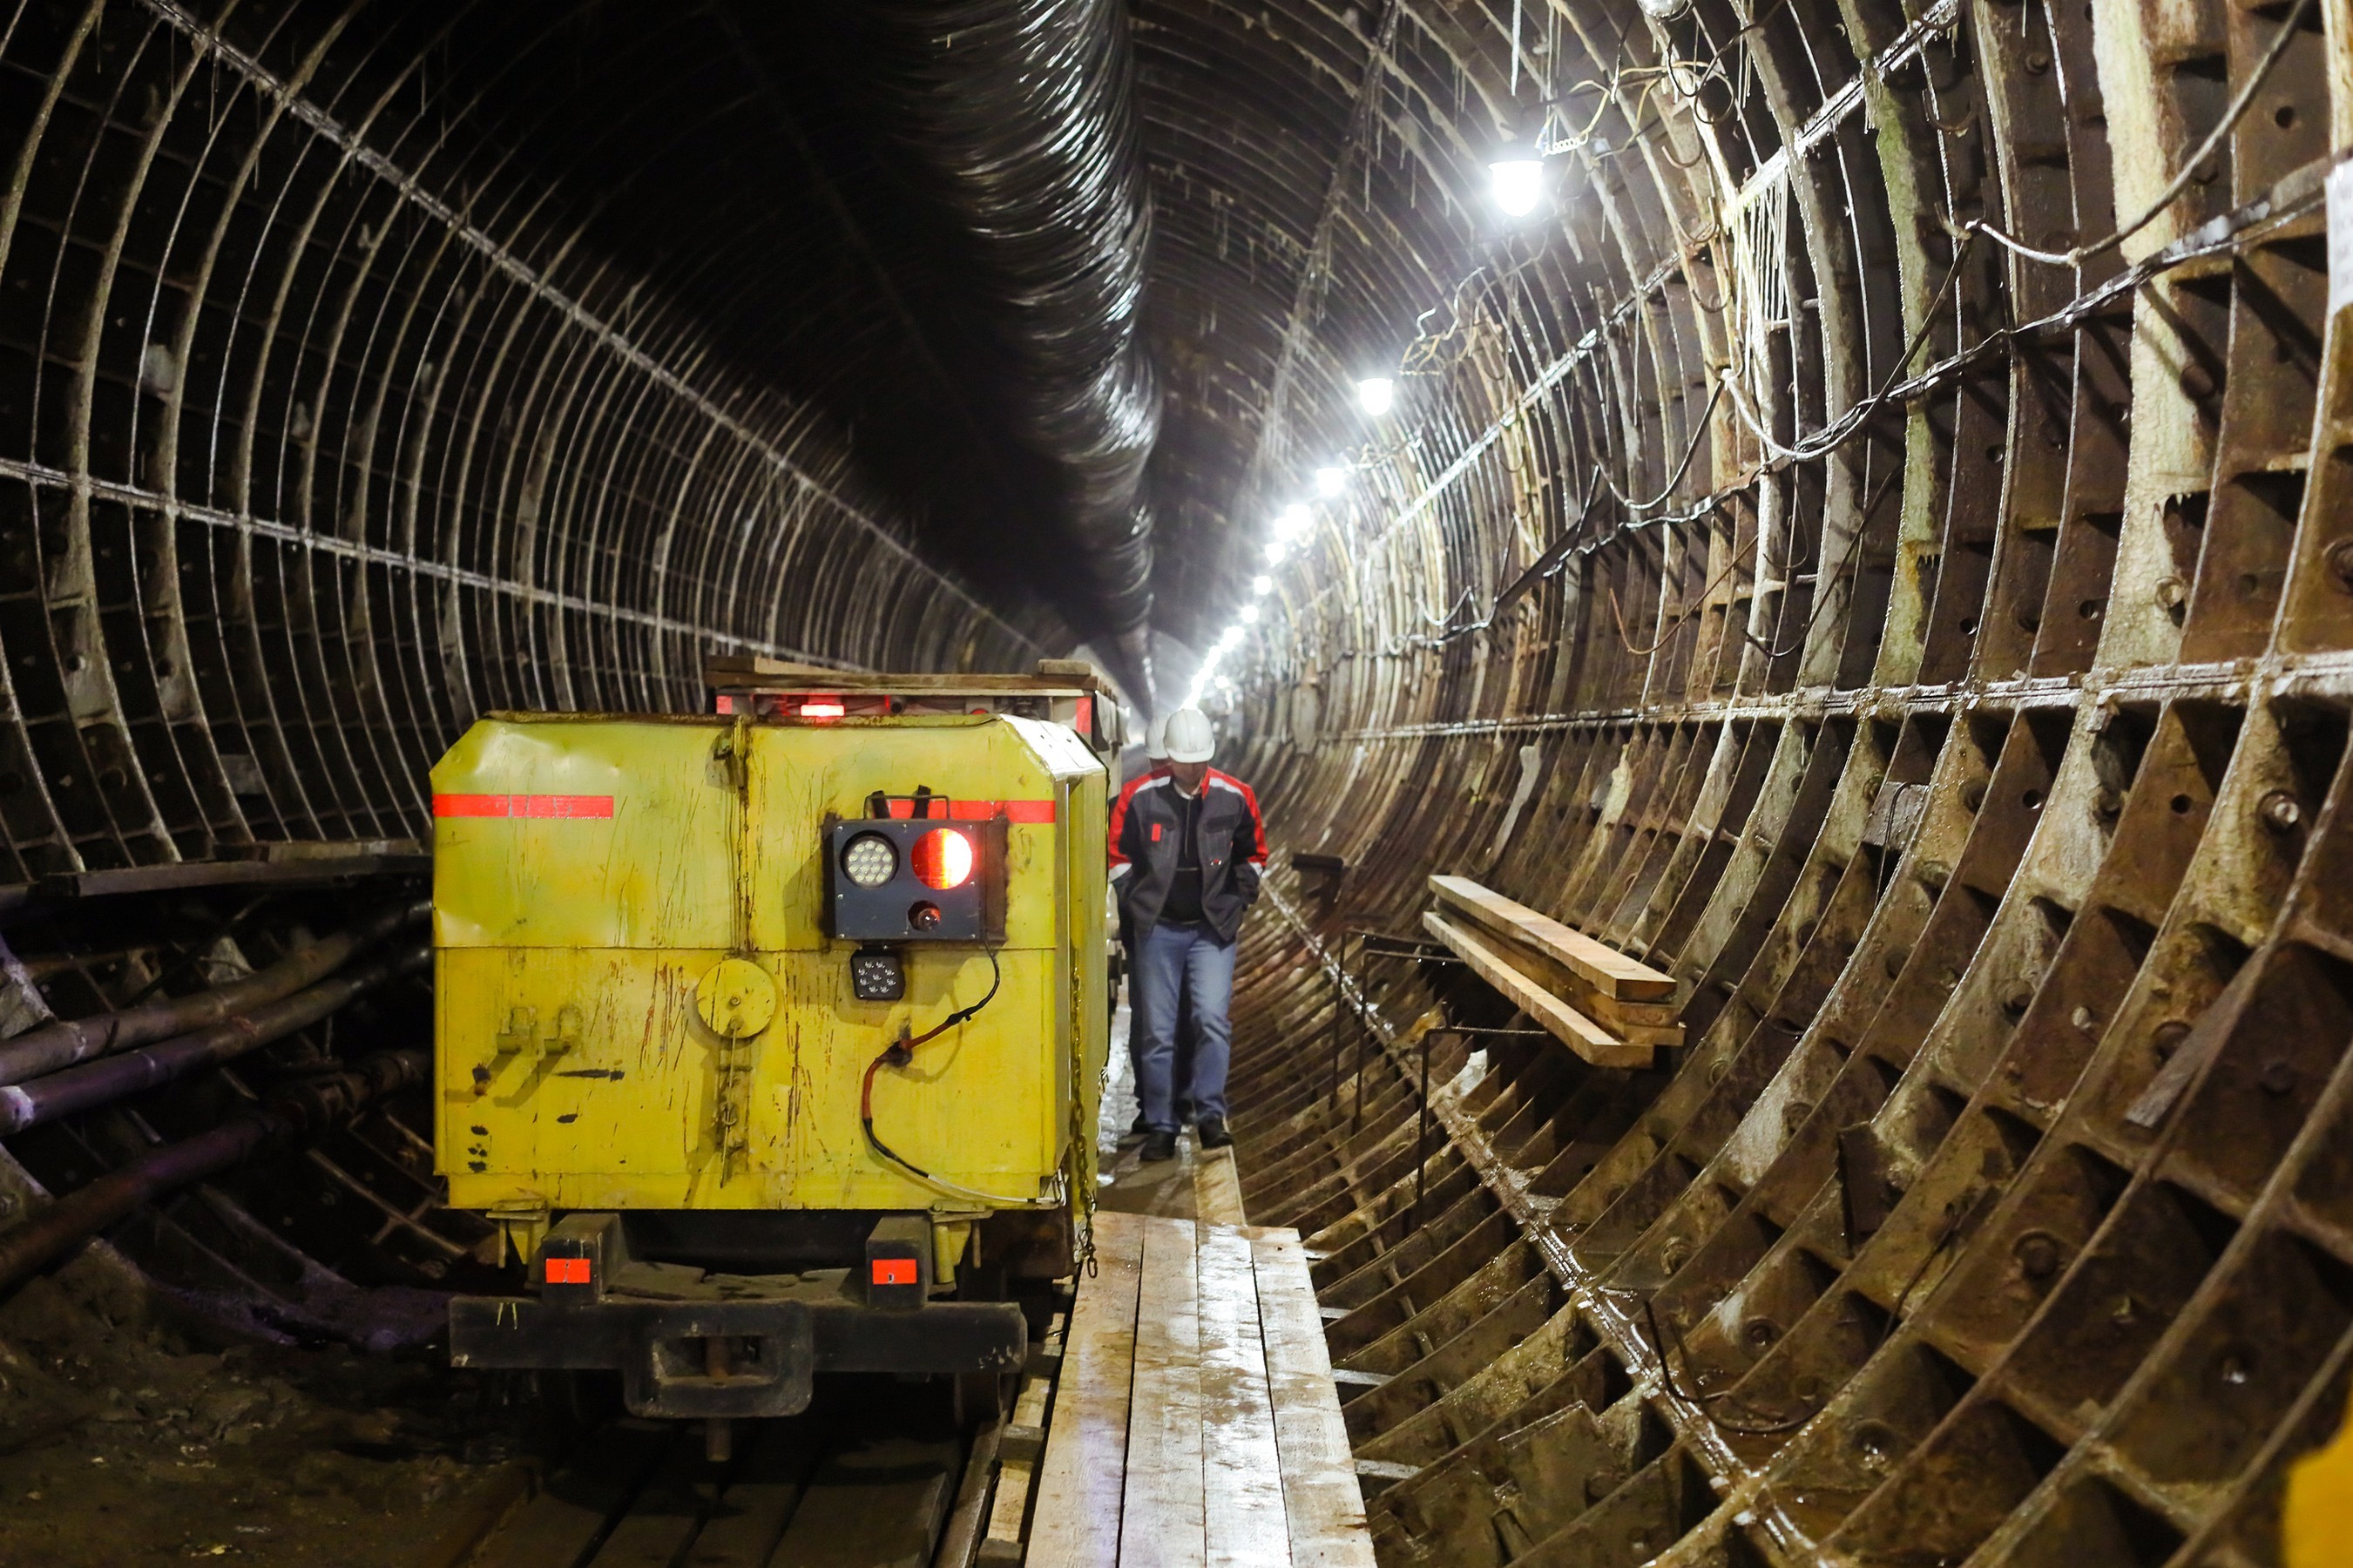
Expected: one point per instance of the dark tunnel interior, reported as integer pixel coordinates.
(1864, 525)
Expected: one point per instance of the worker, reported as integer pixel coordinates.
(1188, 856)
(1156, 760)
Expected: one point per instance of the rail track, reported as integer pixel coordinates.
(879, 1472)
(875, 1472)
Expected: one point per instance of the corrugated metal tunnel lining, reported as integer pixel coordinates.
(1936, 654)
(1931, 656)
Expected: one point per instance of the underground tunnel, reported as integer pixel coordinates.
(1843, 508)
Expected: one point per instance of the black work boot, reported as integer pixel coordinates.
(1158, 1146)
(1142, 1128)
(1212, 1134)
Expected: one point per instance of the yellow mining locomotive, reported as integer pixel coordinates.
(770, 1037)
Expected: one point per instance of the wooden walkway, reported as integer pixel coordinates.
(1195, 1421)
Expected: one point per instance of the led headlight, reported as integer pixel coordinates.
(868, 860)
(876, 974)
(893, 880)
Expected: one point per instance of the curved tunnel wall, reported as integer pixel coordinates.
(328, 427)
(1932, 655)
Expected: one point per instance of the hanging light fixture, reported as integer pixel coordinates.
(1330, 482)
(1515, 177)
(1376, 395)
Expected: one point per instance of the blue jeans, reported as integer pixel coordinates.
(1187, 1035)
(1177, 963)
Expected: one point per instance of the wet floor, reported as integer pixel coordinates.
(1183, 1187)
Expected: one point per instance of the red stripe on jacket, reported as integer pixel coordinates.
(1119, 810)
(1258, 824)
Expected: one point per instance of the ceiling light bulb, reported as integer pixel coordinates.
(1376, 395)
(1292, 523)
(1250, 613)
(1517, 185)
(1261, 584)
(1276, 551)
(1331, 481)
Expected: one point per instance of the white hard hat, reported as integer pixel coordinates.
(1189, 736)
(1156, 739)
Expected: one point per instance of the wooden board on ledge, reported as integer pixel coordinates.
(1488, 959)
(1600, 965)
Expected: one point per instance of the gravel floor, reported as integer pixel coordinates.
(124, 1438)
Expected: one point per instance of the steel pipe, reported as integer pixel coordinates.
(301, 1114)
(59, 1045)
(95, 1084)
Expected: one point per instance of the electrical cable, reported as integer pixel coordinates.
(1700, 1402)
(1895, 387)
(1834, 435)
(2188, 249)
(2077, 255)
(898, 1054)
(1822, 596)
(1683, 615)
(1699, 433)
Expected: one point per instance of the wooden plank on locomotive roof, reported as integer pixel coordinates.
(1076, 1520)
(731, 672)
(758, 1502)
(1161, 1524)
(580, 1499)
(1217, 1187)
(1608, 971)
(1565, 1023)
(1322, 1502)
(1241, 1468)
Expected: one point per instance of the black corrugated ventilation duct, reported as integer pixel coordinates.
(1021, 114)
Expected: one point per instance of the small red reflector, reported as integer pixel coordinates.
(942, 858)
(894, 1271)
(567, 1271)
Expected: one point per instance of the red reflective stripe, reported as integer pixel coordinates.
(567, 1271)
(894, 1271)
(1119, 810)
(522, 805)
(980, 810)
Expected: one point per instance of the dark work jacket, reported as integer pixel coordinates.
(1232, 840)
